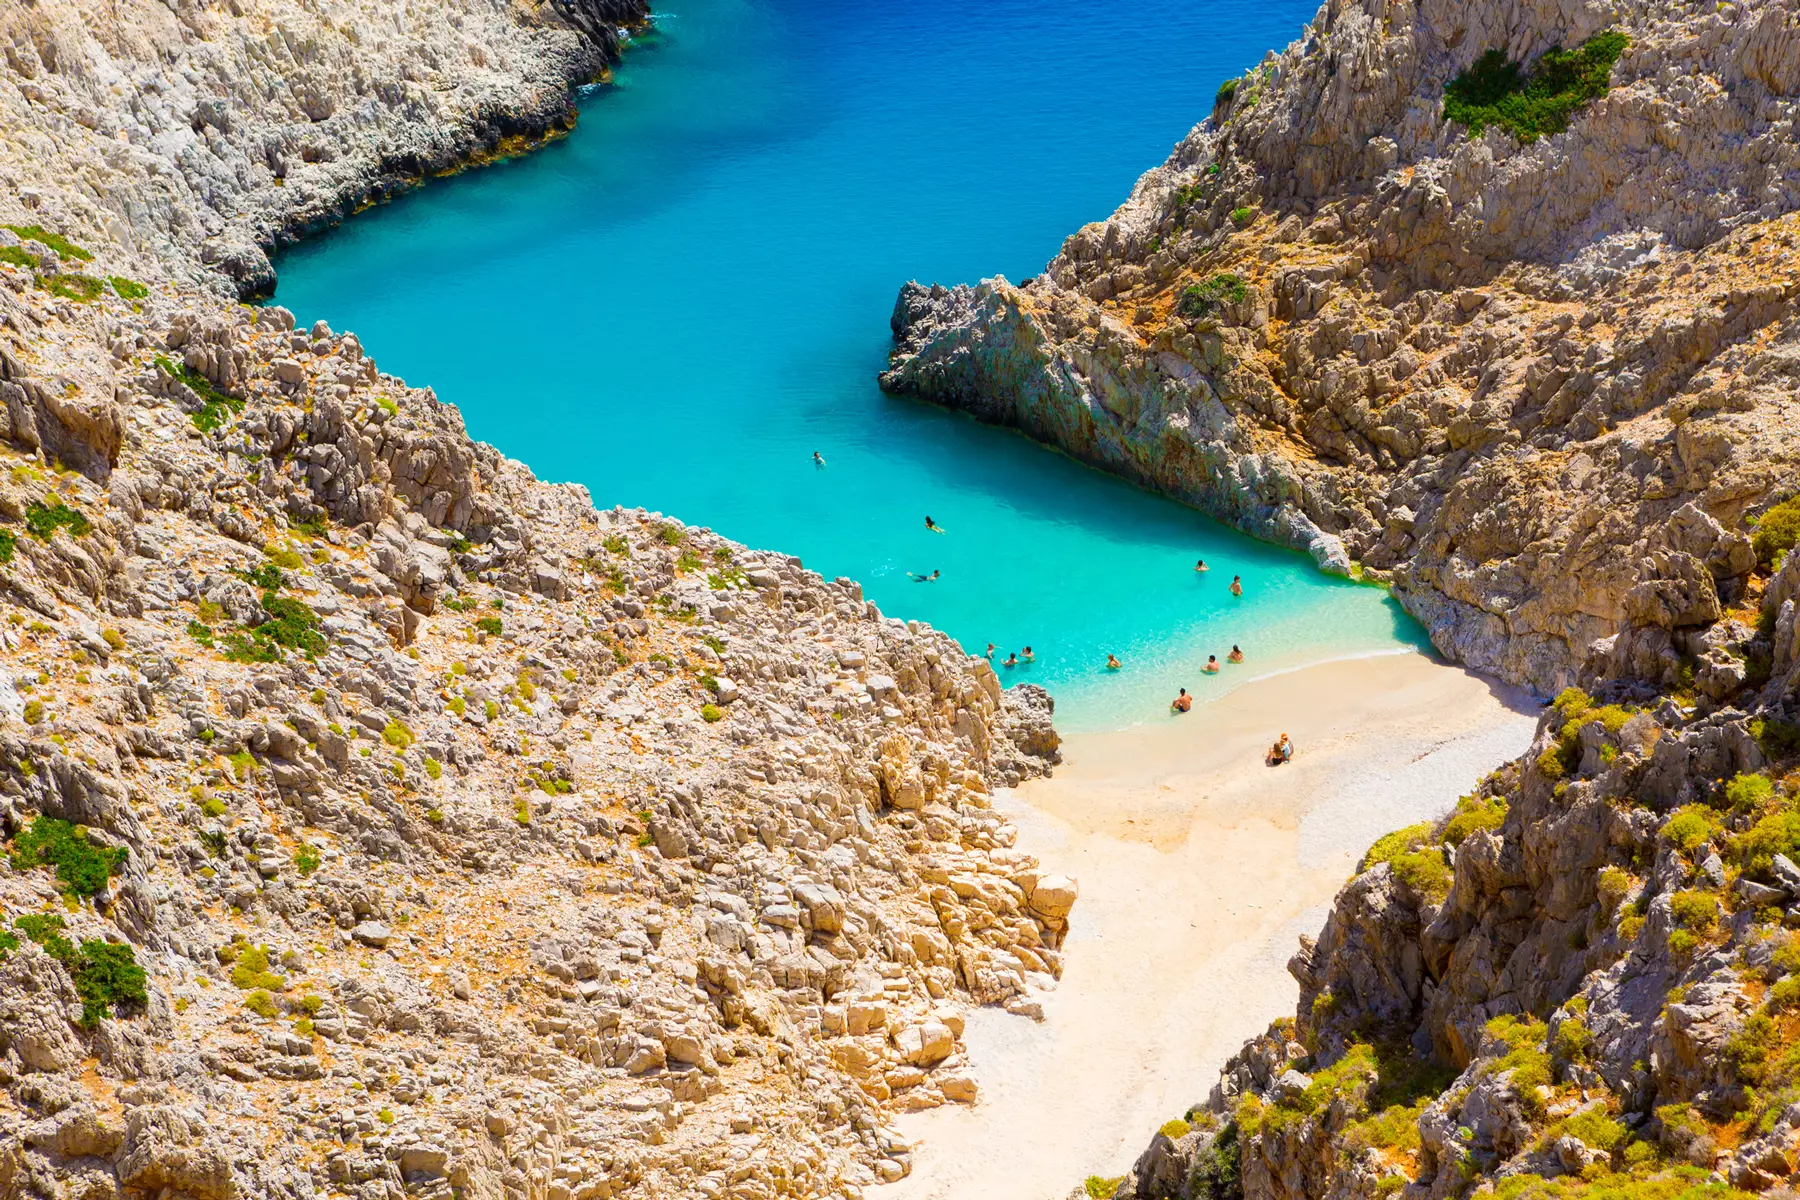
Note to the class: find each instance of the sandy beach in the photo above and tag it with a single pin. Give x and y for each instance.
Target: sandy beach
(1199, 867)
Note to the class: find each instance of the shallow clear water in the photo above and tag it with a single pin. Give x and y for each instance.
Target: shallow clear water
(682, 301)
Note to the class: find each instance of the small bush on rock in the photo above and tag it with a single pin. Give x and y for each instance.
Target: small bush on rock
(1495, 91)
(82, 868)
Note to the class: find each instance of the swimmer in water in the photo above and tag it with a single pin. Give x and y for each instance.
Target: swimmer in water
(990, 652)
(933, 525)
(1237, 585)
(1012, 660)
(1182, 702)
(1201, 566)
(1236, 655)
(818, 459)
(1029, 656)
(917, 578)
(1212, 664)
(1113, 663)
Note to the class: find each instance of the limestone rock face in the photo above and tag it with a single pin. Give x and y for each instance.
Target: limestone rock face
(1513, 379)
(470, 842)
(1595, 952)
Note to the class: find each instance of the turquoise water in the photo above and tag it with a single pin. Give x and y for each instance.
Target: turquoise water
(682, 301)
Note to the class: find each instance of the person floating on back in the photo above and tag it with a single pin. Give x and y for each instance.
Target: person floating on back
(1212, 664)
(1201, 566)
(1182, 702)
(1237, 586)
(933, 525)
(1028, 655)
(818, 459)
(917, 578)
(1236, 655)
(1113, 663)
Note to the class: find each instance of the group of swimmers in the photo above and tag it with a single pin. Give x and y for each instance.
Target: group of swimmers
(1024, 656)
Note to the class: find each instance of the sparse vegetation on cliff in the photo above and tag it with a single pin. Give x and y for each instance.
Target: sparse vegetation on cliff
(1496, 91)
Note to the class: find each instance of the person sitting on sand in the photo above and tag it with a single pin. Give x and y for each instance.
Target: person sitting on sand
(1182, 702)
(1212, 664)
(1280, 752)
(1027, 655)
(1113, 663)
(1201, 566)
(1012, 660)
(933, 525)
(1236, 655)
(1237, 586)
(931, 578)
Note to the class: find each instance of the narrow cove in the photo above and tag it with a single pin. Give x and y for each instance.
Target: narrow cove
(680, 303)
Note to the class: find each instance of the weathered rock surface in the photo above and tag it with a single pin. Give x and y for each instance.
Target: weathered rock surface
(471, 842)
(1539, 387)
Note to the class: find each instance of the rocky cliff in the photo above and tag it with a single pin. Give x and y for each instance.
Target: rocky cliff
(1515, 329)
(1584, 981)
(379, 819)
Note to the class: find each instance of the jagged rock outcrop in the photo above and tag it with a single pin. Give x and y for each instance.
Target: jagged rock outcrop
(1586, 978)
(1492, 372)
(196, 137)
(381, 820)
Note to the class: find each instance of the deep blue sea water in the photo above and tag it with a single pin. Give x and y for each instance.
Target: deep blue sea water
(683, 300)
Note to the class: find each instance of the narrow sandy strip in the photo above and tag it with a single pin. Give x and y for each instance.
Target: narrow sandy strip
(1199, 866)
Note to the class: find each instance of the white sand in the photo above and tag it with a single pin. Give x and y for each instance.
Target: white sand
(1199, 867)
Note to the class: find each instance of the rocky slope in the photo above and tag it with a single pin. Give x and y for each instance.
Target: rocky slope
(196, 135)
(1583, 982)
(379, 819)
(1534, 383)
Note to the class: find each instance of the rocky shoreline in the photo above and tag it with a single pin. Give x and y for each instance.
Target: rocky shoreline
(1532, 384)
(383, 820)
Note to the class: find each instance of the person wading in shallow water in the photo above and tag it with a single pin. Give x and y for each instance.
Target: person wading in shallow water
(1237, 586)
(1182, 702)
(1113, 663)
(1236, 655)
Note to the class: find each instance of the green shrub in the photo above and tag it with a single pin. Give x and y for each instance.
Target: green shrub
(1695, 911)
(311, 1005)
(1778, 833)
(387, 405)
(1495, 91)
(200, 632)
(127, 289)
(1750, 1048)
(8, 943)
(43, 520)
(490, 626)
(113, 638)
(1241, 217)
(671, 534)
(1098, 1187)
(397, 735)
(1473, 815)
(261, 1003)
(1690, 827)
(1746, 793)
(107, 976)
(243, 764)
(1175, 1129)
(1415, 859)
(1226, 92)
(1612, 885)
(433, 768)
(56, 241)
(18, 257)
(1775, 737)
(1525, 1057)
(306, 860)
(215, 406)
(711, 712)
(82, 868)
(251, 971)
(34, 711)
(72, 286)
(1593, 1128)
(1776, 532)
(1573, 1039)
(1201, 299)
